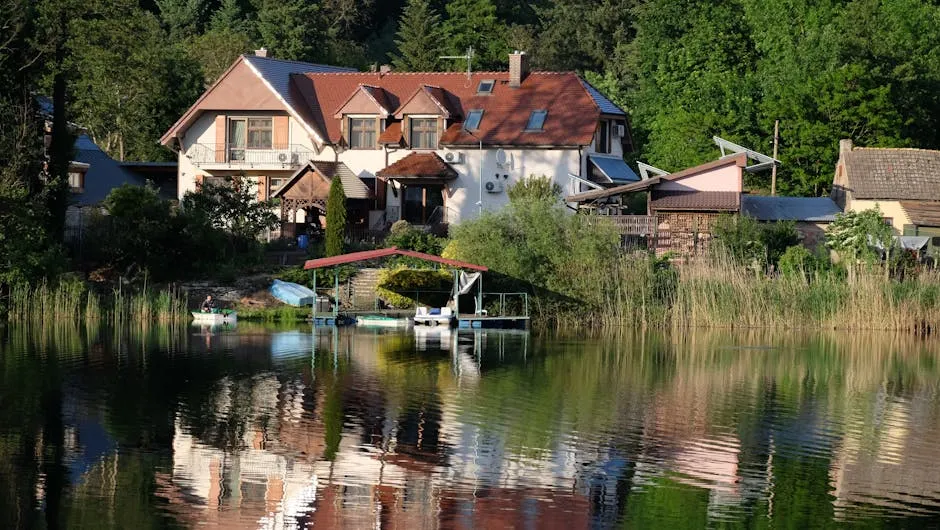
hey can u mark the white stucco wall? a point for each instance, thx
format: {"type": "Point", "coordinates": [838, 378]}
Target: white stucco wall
{"type": "Point", "coordinates": [463, 193]}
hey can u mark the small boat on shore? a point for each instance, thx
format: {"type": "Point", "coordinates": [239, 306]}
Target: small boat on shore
{"type": "Point", "coordinates": [224, 317]}
{"type": "Point", "coordinates": [381, 321]}
{"type": "Point", "coordinates": [292, 293]}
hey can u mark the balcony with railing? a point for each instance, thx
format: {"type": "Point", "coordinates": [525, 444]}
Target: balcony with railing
{"type": "Point", "coordinates": [212, 156]}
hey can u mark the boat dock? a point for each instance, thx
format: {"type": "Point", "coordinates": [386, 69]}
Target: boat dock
{"type": "Point", "coordinates": [487, 322]}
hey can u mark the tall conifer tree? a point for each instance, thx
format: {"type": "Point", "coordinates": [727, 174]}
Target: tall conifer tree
{"type": "Point", "coordinates": [419, 38]}
{"type": "Point", "coordinates": [335, 218]}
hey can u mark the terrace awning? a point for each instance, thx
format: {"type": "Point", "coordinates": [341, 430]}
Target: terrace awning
{"type": "Point", "coordinates": [388, 252]}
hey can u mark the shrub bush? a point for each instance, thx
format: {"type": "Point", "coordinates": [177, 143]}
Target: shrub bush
{"type": "Point", "coordinates": [405, 236]}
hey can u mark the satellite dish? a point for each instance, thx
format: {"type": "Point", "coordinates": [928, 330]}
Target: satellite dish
{"type": "Point", "coordinates": [500, 156]}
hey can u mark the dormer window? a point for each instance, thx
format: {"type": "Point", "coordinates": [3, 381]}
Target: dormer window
{"type": "Point", "coordinates": [472, 122]}
{"type": "Point", "coordinates": [486, 86]}
{"type": "Point", "coordinates": [423, 133]}
{"type": "Point", "coordinates": [362, 133]}
{"type": "Point", "coordinates": [536, 120]}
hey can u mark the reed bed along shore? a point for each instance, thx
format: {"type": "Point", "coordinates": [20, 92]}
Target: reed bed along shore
{"type": "Point", "coordinates": [74, 302]}
{"type": "Point", "coordinates": [718, 293]}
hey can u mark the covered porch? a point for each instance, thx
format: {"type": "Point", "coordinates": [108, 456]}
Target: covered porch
{"type": "Point", "coordinates": [422, 188]}
{"type": "Point", "coordinates": [303, 199]}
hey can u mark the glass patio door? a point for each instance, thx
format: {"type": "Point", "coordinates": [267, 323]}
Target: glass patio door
{"type": "Point", "coordinates": [237, 136]}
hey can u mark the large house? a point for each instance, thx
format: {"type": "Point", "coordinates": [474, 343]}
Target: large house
{"type": "Point", "coordinates": [430, 148]}
{"type": "Point", "coordinates": [903, 183]}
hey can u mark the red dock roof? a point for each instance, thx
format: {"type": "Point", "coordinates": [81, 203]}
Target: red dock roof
{"type": "Point", "coordinates": [384, 253]}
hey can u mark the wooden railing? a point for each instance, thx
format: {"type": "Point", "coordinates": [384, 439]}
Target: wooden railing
{"type": "Point", "coordinates": [633, 225]}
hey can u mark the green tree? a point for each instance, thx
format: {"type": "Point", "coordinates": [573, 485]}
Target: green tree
{"type": "Point", "coordinates": [216, 50]}
{"type": "Point", "coordinates": [695, 80]}
{"type": "Point", "coordinates": [419, 38]}
{"type": "Point", "coordinates": [857, 235]}
{"type": "Point", "coordinates": [474, 23]}
{"type": "Point", "coordinates": [182, 18]}
{"type": "Point", "coordinates": [335, 218]}
{"type": "Point", "coordinates": [127, 84]}
{"type": "Point", "coordinates": [290, 29]}
{"type": "Point", "coordinates": [534, 188]}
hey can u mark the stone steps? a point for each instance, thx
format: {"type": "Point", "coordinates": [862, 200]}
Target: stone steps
{"type": "Point", "coordinates": [362, 288]}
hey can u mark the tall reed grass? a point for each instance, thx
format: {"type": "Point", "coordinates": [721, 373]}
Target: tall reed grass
{"type": "Point", "coordinates": [73, 302]}
{"type": "Point", "coordinates": [716, 292]}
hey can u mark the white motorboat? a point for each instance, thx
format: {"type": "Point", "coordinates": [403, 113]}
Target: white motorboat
{"type": "Point", "coordinates": [229, 317]}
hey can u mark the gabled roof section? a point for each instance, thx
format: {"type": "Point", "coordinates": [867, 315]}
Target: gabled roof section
{"type": "Point", "coordinates": [923, 213]}
{"type": "Point", "coordinates": [893, 174]}
{"type": "Point", "coordinates": [234, 90]}
{"type": "Point", "coordinates": [702, 201]}
{"type": "Point", "coordinates": [419, 166]}
{"type": "Point", "coordinates": [365, 100]}
{"type": "Point", "coordinates": [425, 100]}
{"type": "Point", "coordinates": [605, 105]}
{"type": "Point", "coordinates": [571, 121]}
{"type": "Point", "coordinates": [103, 173]}
{"type": "Point", "coordinates": [353, 186]}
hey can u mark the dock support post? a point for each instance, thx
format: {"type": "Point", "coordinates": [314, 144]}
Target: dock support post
{"type": "Point", "coordinates": [456, 293]}
{"type": "Point", "coordinates": [480, 295]}
{"type": "Point", "coordinates": [314, 313]}
{"type": "Point", "coordinates": [335, 293]}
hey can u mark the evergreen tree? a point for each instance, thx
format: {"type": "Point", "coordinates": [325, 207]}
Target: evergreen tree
{"type": "Point", "coordinates": [182, 18]}
{"type": "Point", "coordinates": [419, 38]}
{"type": "Point", "coordinates": [230, 16]}
{"type": "Point", "coordinates": [335, 218]}
{"type": "Point", "coordinates": [216, 50]}
{"type": "Point", "coordinates": [290, 29]}
{"type": "Point", "coordinates": [474, 23]}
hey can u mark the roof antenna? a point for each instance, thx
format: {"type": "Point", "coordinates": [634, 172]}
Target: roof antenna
{"type": "Point", "coordinates": [468, 57]}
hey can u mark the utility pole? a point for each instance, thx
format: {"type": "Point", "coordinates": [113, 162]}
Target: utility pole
{"type": "Point", "coordinates": [773, 172]}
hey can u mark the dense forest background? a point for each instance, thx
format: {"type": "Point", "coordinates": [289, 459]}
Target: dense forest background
{"type": "Point", "coordinates": [684, 69]}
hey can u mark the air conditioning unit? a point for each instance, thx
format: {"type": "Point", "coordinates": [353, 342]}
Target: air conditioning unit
{"type": "Point", "coordinates": [620, 131]}
{"type": "Point", "coordinates": [493, 186]}
{"type": "Point", "coordinates": [282, 157]}
{"type": "Point", "coordinates": [453, 157]}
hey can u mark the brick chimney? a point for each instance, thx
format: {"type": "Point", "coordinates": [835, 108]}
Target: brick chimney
{"type": "Point", "coordinates": [845, 146]}
{"type": "Point", "coordinates": [261, 52]}
{"type": "Point", "coordinates": [518, 68]}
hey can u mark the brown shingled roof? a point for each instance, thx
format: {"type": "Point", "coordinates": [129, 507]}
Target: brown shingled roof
{"type": "Point", "coordinates": [923, 213]}
{"type": "Point", "coordinates": [418, 166]}
{"type": "Point", "coordinates": [717, 201]}
{"type": "Point", "coordinates": [572, 112]}
{"type": "Point", "coordinates": [876, 173]}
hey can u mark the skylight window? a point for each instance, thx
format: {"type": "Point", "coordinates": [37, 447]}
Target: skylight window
{"type": "Point", "coordinates": [536, 120]}
{"type": "Point", "coordinates": [472, 122]}
{"type": "Point", "coordinates": [486, 86]}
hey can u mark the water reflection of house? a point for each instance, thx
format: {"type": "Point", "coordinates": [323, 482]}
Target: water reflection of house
{"type": "Point", "coordinates": [888, 458]}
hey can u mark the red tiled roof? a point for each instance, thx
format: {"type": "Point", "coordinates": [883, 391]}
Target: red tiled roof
{"type": "Point", "coordinates": [725, 201]}
{"type": "Point", "coordinates": [420, 165]}
{"type": "Point", "coordinates": [572, 112]}
{"type": "Point", "coordinates": [391, 134]}
{"type": "Point", "coordinates": [384, 253]}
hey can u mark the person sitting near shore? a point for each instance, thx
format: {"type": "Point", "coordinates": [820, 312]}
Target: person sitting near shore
{"type": "Point", "coordinates": [208, 305]}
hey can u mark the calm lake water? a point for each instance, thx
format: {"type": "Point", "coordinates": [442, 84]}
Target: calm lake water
{"type": "Point", "coordinates": [259, 427]}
